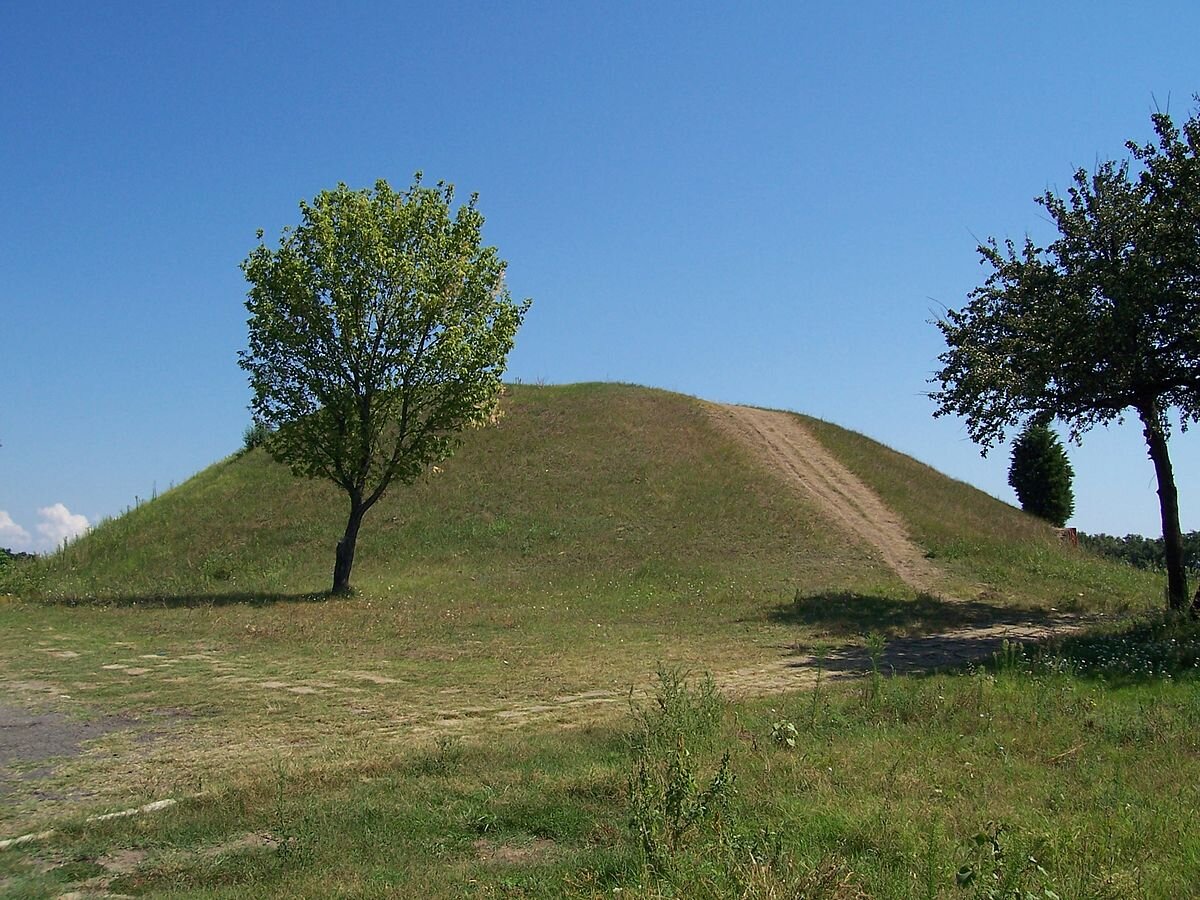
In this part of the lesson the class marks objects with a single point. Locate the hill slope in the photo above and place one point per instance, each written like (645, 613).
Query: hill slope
(594, 493)
(597, 533)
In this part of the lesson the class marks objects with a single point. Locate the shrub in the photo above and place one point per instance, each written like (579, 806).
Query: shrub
(255, 435)
(1041, 475)
(668, 798)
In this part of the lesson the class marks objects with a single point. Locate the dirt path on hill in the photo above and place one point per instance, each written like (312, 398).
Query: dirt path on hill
(781, 442)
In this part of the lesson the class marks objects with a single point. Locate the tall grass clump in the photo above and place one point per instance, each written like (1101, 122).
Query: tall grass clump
(668, 797)
(254, 436)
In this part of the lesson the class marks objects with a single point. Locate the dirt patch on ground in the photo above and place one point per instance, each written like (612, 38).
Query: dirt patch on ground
(252, 842)
(30, 737)
(796, 670)
(122, 862)
(511, 854)
(781, 442)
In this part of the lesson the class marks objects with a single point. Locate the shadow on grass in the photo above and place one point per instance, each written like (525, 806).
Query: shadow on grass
(920, 636)
(926, 655)
(844, 614)
(1152, 647)
(189, 601)
(928, 635)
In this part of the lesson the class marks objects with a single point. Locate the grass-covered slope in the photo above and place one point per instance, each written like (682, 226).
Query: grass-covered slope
(1002, 551)
(461, 725)
(589, 492)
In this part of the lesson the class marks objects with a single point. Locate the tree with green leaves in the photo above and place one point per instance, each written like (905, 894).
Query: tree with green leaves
(1041, 474)
(379, 329)
(1101, 323)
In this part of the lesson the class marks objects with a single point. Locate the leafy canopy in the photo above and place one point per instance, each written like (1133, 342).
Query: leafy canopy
(1104, 319)
(379, 328)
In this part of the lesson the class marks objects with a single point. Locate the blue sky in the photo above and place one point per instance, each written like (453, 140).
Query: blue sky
(758, 203)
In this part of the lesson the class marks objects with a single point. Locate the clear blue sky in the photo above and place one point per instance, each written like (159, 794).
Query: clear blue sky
(759, 203)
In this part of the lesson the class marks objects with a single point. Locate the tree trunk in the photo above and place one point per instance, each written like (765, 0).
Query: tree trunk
(345, 549)
(1168, 504)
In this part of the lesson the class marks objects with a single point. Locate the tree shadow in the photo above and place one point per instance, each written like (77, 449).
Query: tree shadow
(1152, 647)
(920, 636)
(188, 601)
(926, 655)
(848, 614)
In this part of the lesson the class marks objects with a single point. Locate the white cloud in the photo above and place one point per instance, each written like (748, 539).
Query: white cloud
(59, 524)
(12, 535)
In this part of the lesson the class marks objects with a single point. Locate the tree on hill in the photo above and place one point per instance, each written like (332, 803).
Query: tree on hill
(1103, 321)
(14, 556)
(1041, 474)
(379, 330)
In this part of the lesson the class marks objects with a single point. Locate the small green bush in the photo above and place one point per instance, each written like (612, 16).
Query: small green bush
(1041, 475)
(679, 712)
(667, 798)
(255, 435)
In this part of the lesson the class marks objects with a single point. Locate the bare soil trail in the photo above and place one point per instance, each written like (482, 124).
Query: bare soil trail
(781, 441)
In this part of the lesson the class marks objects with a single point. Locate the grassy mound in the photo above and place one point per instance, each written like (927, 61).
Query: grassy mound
(462, 725)
(590, 492)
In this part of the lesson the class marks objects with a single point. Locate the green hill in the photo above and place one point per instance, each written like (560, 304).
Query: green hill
(463, 721)
(599, 494)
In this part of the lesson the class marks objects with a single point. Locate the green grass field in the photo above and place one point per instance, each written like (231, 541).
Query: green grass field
(463, 724)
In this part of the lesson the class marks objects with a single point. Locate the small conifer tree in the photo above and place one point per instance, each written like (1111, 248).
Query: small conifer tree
(1041, 474)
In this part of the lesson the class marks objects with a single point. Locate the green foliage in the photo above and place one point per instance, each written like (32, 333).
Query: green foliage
(667, 801)
(1104, 319)
(666, 798)
(18, 572)
(379, 329)
(1041, 475)
(255, 435)
(1101, 320)
(11, 557)
(681, 712)
(784, 733)
(1142, 552)
(1158, 646)
(999, 868)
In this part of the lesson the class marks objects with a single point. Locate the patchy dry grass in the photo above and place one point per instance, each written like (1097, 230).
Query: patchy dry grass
(1029, 775)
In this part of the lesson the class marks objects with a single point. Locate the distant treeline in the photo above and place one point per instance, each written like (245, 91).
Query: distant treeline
(12, 556)
(1143, 552)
